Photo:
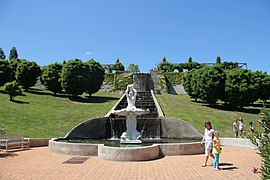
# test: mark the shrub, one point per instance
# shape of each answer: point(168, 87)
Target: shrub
point(264, 142)
point(12, 89)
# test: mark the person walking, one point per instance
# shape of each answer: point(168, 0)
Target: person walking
point(207, 141)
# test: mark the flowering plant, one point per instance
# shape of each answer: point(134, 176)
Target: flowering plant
point(264, 140)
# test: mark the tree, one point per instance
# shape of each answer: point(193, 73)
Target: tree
point(165, 66)
point(14, 64)
point(51, 75)
point(263, 82)
point(76, 77)
point(193, 65)
point(110, 69)
point(27, 73)
point(97, 73)
point(5, 72)
point(211, 83)
point(133, 68)
point(119, 66)
point(179, 67)
point(229, 65)
point(262, 140)
point(218, 60)
point(2, 54)
point(13, 53)
point(12, 89)
point(206, 83)
point(190, 84)
point(190, 60)
point(240, 87)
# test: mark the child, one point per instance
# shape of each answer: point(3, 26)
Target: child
point(208, 141)
point(216, 150)
point(242, 127)
point(251, 126)
point(235, 127)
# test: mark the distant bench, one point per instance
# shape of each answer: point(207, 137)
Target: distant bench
point(13, 141)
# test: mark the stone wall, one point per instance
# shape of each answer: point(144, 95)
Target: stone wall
point(116, 82)
point(143, 82)
point(168, 83)
point(176, 128)
point(98, 128)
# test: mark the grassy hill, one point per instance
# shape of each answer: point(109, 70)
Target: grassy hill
point(40, 114)
point(196, 113)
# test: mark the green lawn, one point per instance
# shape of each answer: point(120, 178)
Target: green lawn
point(196, 114)
point(40, 114)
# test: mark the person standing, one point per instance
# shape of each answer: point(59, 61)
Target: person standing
point(242, 127)
point(208, 141)
point(235, 127)
point(251, 127)
point(216, 150)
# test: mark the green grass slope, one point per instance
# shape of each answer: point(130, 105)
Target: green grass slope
point(196, 114)
point(40, 114)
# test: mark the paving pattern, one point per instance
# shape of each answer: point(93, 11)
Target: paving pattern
point(40, 163)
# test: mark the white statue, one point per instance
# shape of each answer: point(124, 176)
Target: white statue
point(131, 94)
point(131, 112)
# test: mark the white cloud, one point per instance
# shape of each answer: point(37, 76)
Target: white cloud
point(88, 53)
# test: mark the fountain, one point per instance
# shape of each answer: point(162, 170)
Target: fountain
point(135, 129)
point(131, 135)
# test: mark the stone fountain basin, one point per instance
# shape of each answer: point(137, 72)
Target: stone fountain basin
point(144, 153)
point(128, 153)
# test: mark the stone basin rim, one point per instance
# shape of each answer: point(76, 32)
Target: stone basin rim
point(158, 143)
point(149, 152)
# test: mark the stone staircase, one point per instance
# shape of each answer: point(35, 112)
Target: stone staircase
point(148, 124)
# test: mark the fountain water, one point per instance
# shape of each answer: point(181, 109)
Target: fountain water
point(131, 135)
point(149, 124)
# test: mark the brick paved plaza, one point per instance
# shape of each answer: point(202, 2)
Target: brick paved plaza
point(39, 164)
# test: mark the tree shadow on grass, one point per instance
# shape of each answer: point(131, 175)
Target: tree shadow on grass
point(21, 95)
point(251, 109)
point(47, 93)
point(81, 99)
point(92, 99)
point(19, 102)
point(233, 108)
point(38, 92)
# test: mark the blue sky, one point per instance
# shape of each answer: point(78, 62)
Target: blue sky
point(140, 32)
